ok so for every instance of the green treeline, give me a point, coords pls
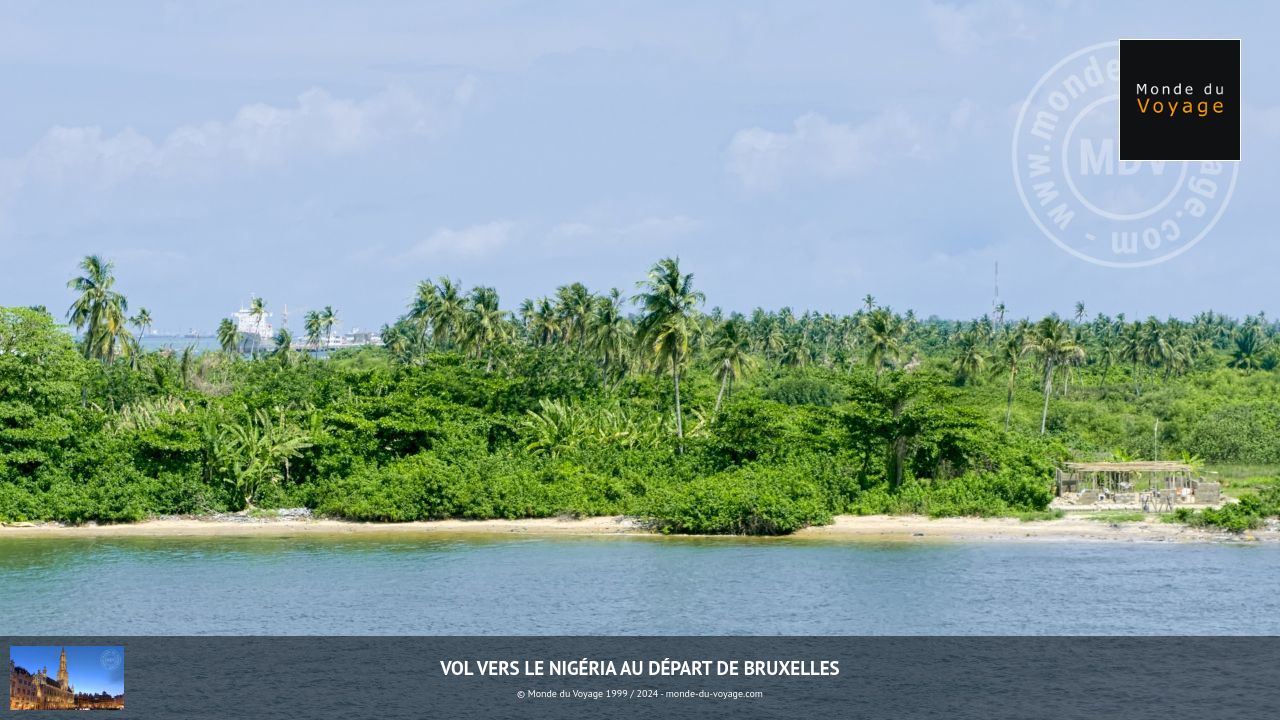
(586, 404)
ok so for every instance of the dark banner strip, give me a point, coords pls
(672, 677)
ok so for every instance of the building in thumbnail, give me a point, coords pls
(39, 691)
(99, 701)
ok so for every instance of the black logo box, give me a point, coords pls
(1186, 67)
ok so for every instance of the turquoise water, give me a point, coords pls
(384, 585)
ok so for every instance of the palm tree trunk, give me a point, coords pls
(1008, 412)
(675, 374)
(1048, 390)
(724, 382)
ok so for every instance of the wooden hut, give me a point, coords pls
(1152, 482)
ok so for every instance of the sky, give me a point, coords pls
(791, 154)
(86, 669)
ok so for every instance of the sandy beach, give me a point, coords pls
(872, 528)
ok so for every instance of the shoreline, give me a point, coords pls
(850, 528)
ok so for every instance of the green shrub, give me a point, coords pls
(742, 501)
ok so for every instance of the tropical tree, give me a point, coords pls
(970, 358)
(142, 321)
(313, 325)
(228, 336)
(448, 313)
(258, 311)
(882, 338)
(257, 451)
(608, 331)
(328, 319)
(484, 324)
(99, 310)
(1250, 348)
(283, 349)
(1053, 343)
(574, 306)
(1010, 352)
(731, 357)
(668, 304)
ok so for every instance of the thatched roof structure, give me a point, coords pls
(1142, 466)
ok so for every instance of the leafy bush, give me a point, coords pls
(977, 494)
(742, 501)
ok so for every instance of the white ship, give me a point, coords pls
(254, 328)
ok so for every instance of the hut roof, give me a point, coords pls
(1139, 466)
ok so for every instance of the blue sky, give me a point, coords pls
(800, 154)
(85, 668)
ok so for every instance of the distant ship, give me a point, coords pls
(257, 331)
(254, 328)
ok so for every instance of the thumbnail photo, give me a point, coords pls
(87, 677)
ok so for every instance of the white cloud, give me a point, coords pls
(647, 229)
(257, 135)
(476, 241)
(962, 28)
(817, 147)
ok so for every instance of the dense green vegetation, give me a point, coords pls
(587, 404)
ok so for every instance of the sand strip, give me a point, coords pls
(873, 528)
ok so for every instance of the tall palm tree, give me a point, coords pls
(228, 336)
(258, 310)
(1011, 350)
(731, 355)
(142, 321)
(970, 358)
(99, 310)
(883, 334)
(668, 304)
(1134, 349)
(574, 305)
(448, 313)
(608, 331)
(1052, 341)
(422, 309)
(313, 325)
(328, 319)
(485, 324)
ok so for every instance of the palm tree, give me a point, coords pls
(1052, 341)
(574, 304)
(283, 350)
(730, 353)
(228, 336)
(328, 318)
(668, 304)
(448, 313)
(883, 333)
(1011, 350)
(313, 325)
(970, 360)
(608, 330)
(258, 311)
(1134, 349)
(484, 324)
(421, 309)
(99, 310)
(142, 321)
(1251, 347)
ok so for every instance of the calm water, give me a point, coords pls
(631, 586)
